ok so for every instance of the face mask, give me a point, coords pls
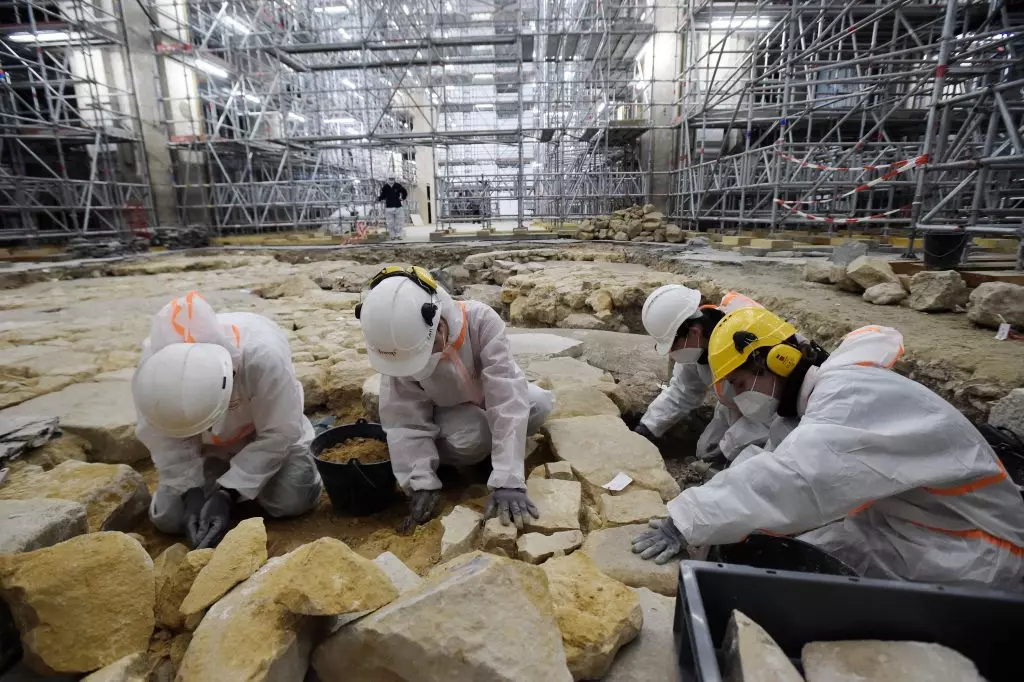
(686, 356)
(757, 406)
(429, 369)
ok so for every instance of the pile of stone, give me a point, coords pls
(634, 224)
(191, 237)
(110, 248)
(852, 270)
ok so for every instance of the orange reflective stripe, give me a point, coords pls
(188, 302)
(242, 433)
(865, 330)
(861, 508)
(973, 485)
(977, 534)
(708, 306)
(728, 298)
(238, 336)
(175, 309)
(462, 332)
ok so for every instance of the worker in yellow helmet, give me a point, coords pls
(881, 472)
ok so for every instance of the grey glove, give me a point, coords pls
(214, 519)
(423, 504)
(512, 505)
(661, 544)
(646, 433)
(193, 500)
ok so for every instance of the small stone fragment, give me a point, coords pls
(538, 471)
(240, 554)
(632, 506)
(855, 661)
(401, 576)
(536, 548)
(173, 590)
(27, 525)
(497, 535)
(558, 503)
(461, 528)
(560, 471)
(751, 655)
(886, 293)
(611, 549)
(82, 604)
(596, 614)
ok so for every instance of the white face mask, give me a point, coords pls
(686, 356)
(427, 371)
(757, 406)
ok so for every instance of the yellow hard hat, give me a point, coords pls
(767, 329)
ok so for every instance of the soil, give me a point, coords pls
(363, 450)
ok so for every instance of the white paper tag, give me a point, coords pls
(1003, 333)
(620, 481)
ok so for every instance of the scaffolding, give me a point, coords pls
(72, 158)
(881, 115)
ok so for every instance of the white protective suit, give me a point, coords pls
(896, 482)
(477, 402)
(262, 448)
(728, 432)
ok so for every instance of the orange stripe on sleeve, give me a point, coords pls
(175, 309)
(977, 534)
(973, 485)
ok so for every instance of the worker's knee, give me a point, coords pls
(542, 402)
(167, 511)
(294, 490)
(465, 434)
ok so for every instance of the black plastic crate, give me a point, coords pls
(796, 608)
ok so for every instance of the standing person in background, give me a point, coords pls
(393, 195)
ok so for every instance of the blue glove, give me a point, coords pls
(661, 544)
(214, 519)
(512, 505)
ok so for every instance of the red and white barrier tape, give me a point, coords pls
(823, 167)
(913, 163)
(838, 221)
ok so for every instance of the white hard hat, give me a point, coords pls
(184, 388)
(399, 319)
(664, 312)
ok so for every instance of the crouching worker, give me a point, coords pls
(451, 391)
(220, 410)
(881, 472)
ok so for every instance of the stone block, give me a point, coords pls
(174, 583)
(240, 554)
(27, 525)
(461, 527)
(867, 272)
(611, 549)
(886, 293)
(936, 292)
(499, 538)
(818, 271)
(561, 471)
(631, 506)
(878, 661)
(652, 655)
(733, 240)
(558, 503)
(548, 345)
(991, 304)
(772, 244)
(535, 548)
(582, 401)
(751, 655)
(132, 668)
(1008, 412)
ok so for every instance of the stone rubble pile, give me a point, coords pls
(634, 224)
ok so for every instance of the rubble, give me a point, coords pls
(240, 554)
(936, 292)
(82, 604)
(499, 538)
(652, 655)
(611, 550)
(884, 661)
(27, 525)
(477, 617)
(1008, 412)
(751, 655)
(600, 447)
(558, 503)
(886, 293)
(596, 614)
(631, 506)
(536, 548)
(993, 303)
(819, 271)
(174, 579)
(461, 527)
(637, 223)
(114, 495)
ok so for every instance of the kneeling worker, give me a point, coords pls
(881, 472)
(220, 410)
(450, 392)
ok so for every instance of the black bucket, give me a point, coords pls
(943, 250)
(354, 488)
(783, 554)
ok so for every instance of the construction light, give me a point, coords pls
(483, 106)
(601, 107)
(211, 68)
(40, 37)
(742, 22)
(236, 24)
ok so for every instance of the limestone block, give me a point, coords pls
(596, 614)
(164, 567)
(561, 471)
(673, 233)
(242, 551)
(558, 503)
(82, 604)
(611, 549)
(487, 294)
(132, 668)
(461, 527)
(114, 495)
(600, 447)
(299, 285)
(582, 401)
(632, 505)
(102, 413)
(751, 655)
(652, 655)
(844, 282)
(621, 236)
(991, 303)
(1008, 412)
(548, 345)
(818, 271)
(886, 293)
(563, 373)
(311, 377)
(867, 271)
(401, 576)
(878, 661)
(27, 525)
(498, 536)
(445, 631)
(535, 548)
(344, 379)
(936, 292)
(173, 586)
(371, 398)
